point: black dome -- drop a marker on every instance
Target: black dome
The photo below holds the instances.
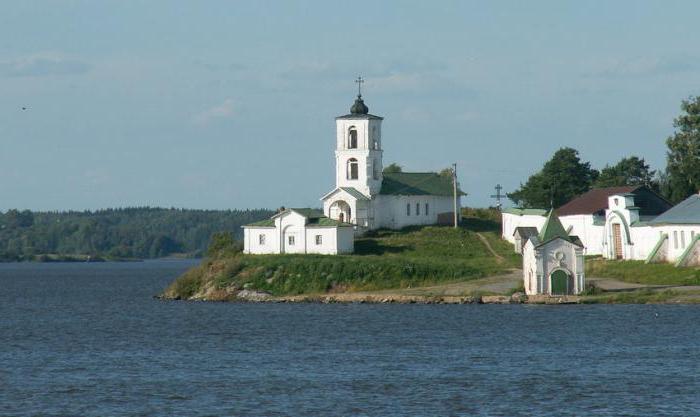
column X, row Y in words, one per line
column 359, row 106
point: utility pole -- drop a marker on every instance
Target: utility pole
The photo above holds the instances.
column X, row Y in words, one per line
column 454, row 194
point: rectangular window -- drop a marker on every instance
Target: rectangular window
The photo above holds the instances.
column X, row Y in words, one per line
column 261, row 239
column 319, row 239
column 692, row 235
column 426, row 208
column 290, row 239
column 417, row 209
column 683, row 239
column 408, row 209
column 675, row 239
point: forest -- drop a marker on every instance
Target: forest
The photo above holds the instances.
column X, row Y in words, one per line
column 128, row 233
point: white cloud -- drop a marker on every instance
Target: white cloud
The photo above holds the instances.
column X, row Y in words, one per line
column 225, row 110
column 43, row 64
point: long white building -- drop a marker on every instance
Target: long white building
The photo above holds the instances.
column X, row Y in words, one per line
column 634, row 224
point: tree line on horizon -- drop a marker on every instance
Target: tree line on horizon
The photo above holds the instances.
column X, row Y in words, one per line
column 566, row 176
column 141, row 233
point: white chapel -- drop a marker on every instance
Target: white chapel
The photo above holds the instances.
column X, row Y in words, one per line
column 364, row 197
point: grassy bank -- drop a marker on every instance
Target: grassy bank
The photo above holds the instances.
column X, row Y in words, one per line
column 642, row 273
column 385, row 259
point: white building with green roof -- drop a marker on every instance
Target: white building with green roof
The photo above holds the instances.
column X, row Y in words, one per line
column 369, row 198
column 364, row 197
column 298, row 230
column 553, row 262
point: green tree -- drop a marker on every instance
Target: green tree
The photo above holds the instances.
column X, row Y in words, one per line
column 683, row 155
column 562, row 178
column 628, row 171
column 222, row 241
column 392, row 168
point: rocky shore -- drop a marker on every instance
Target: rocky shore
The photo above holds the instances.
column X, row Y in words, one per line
column 254, row 296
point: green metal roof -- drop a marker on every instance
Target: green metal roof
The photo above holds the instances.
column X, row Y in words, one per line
column 326, row 222
column 262, row 223
column 309, row 213
column 525, row 212
column 552, row 228
column 353, row 192
column 417, row 183
column 315, row 218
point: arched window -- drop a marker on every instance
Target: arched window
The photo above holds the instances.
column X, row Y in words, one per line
column 375, row 169
column 353, row 169
column 352, row 138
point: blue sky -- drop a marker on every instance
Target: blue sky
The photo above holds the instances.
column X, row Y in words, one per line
column 223, row 104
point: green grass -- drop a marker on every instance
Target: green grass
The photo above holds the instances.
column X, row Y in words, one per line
column 643, row 273
column 384, row 259
column 645, row 296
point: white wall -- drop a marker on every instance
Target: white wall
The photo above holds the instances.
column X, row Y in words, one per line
column 390, row 210
column 365, row 154
column 334, row 240
column 679, row 238
column 510, row 222
column 582, row 225
column 251, row 240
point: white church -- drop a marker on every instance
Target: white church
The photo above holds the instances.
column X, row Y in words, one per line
column 364, row 197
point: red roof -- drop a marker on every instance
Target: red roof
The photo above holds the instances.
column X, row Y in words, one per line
column 593, row 201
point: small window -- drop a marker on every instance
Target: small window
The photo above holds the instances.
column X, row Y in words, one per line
column 675, row 239
column 427, row 207
column 408, row 209
column 615, row 200
column 417, row 209
column 375, row 169
column 319, row 239
column 683, row 239
column 290, row 240
column 261, row 239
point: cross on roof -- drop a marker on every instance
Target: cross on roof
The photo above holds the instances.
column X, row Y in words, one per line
column 359, row 82
column 498, row 196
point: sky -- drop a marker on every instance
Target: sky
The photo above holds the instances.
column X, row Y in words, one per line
column 231, row 104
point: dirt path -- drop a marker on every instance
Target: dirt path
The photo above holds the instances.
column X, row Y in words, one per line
column 486, row 243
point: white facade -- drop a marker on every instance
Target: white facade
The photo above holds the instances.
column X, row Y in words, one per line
column 553, row 261
column 293, row 232
column 542, row 263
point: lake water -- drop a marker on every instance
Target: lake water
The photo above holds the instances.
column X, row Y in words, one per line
column 89, row 340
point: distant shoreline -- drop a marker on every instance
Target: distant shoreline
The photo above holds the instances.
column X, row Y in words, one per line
column 55, row 258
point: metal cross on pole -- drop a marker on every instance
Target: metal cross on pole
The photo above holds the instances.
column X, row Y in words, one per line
column 498, row 196
column 359, row 82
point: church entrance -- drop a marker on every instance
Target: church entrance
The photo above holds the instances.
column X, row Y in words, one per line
column 341, row 211
column 560, row 283
column 617, row 241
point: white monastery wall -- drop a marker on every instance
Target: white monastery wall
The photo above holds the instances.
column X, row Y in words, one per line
column 510, row 222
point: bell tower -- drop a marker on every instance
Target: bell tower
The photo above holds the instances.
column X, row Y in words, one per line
column 358, row 151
